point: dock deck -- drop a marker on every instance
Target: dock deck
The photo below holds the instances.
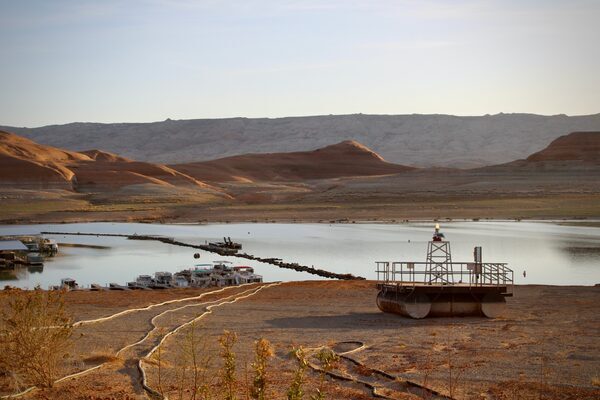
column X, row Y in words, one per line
column 456, row 278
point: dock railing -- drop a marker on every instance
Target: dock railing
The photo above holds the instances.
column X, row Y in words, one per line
column 403, row 273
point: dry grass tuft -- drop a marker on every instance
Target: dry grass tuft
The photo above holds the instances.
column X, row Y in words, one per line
column 363, row 370
column 101, row 357
column 154, row 362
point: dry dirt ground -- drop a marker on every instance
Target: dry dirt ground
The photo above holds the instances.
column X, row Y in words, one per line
column 546, row 346
column 22, row 207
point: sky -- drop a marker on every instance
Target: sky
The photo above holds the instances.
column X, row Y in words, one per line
column 148, row 60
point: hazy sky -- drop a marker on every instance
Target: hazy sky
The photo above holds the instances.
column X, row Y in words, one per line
column 117, row 61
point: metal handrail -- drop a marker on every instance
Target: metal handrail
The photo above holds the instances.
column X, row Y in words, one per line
column 404, row 273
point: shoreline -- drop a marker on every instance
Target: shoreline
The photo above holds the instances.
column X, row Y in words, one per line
column 183, row 290
column 569, row 221
column 322, row 206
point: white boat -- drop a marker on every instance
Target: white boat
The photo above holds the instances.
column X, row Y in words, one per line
column 244, row 274
column 144, row 280
column 35, row 259
column 68, row 284
column 180, row 281
column 219, row 273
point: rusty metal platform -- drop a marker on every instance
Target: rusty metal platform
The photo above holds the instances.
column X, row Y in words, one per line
column 457, row 288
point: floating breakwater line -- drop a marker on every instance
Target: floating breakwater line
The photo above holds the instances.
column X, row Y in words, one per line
column 223, row 252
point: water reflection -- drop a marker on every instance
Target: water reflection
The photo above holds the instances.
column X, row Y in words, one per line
column 19, row 273
column 549, row 253
column 582, row 253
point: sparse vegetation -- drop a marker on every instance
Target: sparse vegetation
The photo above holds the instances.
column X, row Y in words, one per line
column 35, row 331
column 193, row 375
column 327, row 360
column 424, row 361
column 228, row 379
column 295, row 392
column 193, row 362
column 99, row 357
column 157, row 359
column 201, row 360
column 263, row 351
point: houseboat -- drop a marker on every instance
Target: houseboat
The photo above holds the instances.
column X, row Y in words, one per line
column 245, row 274
column 218, row 273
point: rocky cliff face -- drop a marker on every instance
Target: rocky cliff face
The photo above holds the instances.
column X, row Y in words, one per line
column 417, row 140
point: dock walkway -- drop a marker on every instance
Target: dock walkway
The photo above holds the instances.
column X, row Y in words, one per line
column 223, row 252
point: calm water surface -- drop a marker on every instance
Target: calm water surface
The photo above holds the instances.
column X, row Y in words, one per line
column 550, row 253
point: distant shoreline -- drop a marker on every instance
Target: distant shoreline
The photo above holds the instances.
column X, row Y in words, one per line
column 571, row 221
column 591, row 222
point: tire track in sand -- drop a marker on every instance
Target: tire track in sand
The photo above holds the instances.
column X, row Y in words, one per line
column 144, row 381
column 129, row 311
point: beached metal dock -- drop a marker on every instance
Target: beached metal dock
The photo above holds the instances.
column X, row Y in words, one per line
column 440, row 287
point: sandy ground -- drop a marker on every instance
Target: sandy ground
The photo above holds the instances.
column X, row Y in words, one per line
column 546, row 345
column 475, row 194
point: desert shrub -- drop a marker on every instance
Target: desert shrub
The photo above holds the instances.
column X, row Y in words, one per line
column 295, row 392
column 228, row 379
column 262, row 352
column 327, row 360
column 157, row 359
column 192, row 377
column 35, row 331
column 201, row 361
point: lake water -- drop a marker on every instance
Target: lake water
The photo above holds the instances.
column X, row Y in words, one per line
column 550, row 253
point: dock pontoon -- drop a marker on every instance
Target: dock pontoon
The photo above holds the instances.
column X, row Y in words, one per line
column 441, row 287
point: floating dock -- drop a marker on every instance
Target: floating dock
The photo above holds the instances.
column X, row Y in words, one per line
column 440, row 287
column 223, row 251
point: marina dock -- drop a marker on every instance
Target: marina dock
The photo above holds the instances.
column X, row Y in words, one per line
column 231, row 249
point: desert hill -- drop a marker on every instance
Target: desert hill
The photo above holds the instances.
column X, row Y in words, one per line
column 100, row 155
column 416, row 140
column 24, row 163
column 569, row 166
column 577, row 152
column 345, row 159
column 576, row 146
column 337, row 182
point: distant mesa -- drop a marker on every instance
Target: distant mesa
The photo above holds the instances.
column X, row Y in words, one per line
column 576, row 146
column 435, row 140
column 345, row 159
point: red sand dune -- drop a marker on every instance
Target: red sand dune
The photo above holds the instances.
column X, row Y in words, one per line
column 576, row 146
column 100, row 155
column 122, row 173
column 348, row 158
column 24, row 163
